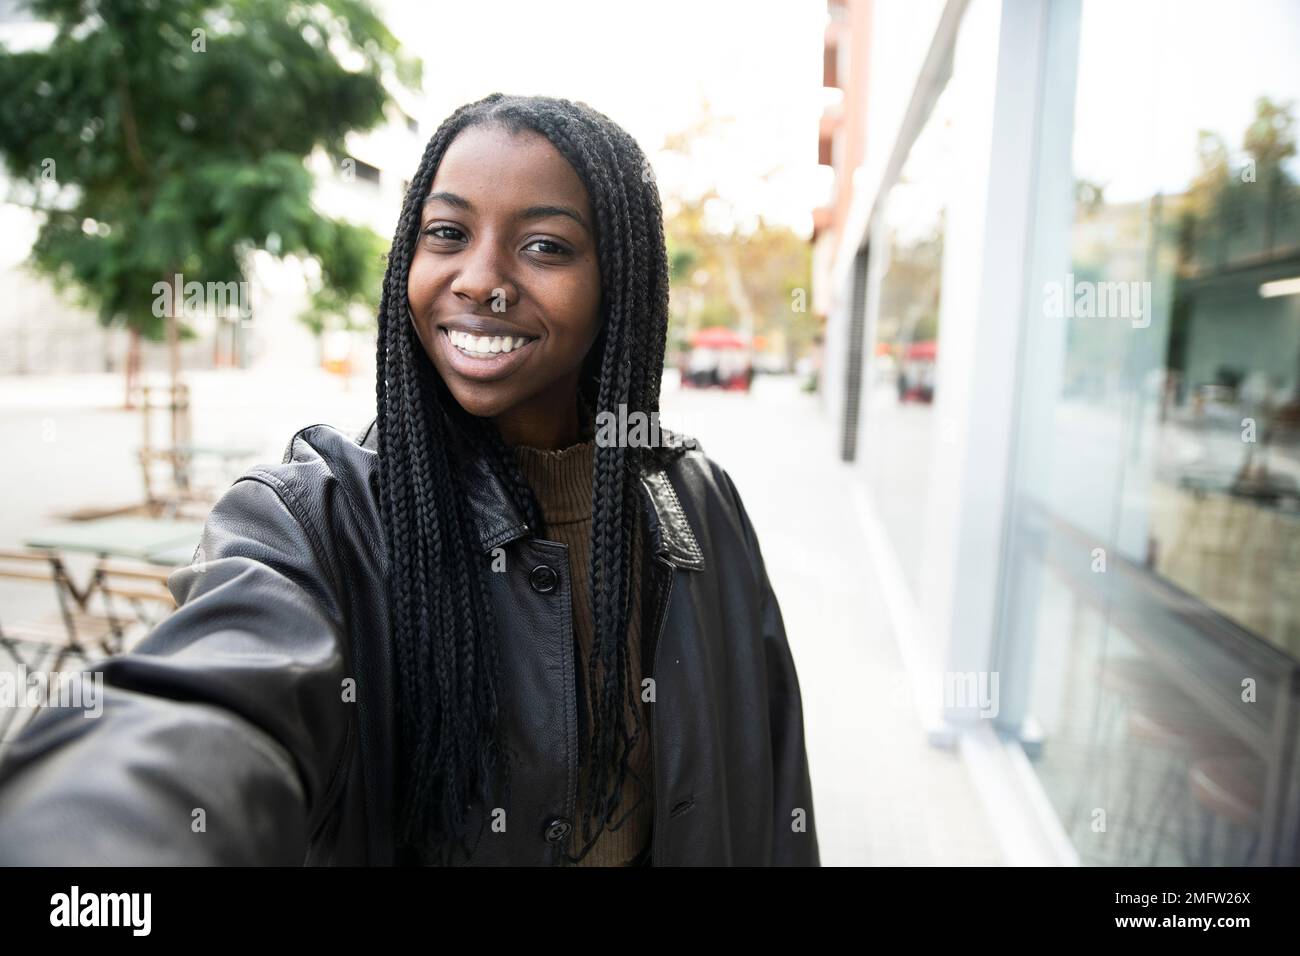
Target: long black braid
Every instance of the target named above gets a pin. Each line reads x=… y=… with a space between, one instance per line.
x=451 y=744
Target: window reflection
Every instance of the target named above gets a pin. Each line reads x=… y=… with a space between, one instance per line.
x=899 y=406
x=1163 y=554
x=1227 y=492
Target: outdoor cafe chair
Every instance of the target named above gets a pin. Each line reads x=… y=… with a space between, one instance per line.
x=66 y=632
x=134 y=597
x=69 y=630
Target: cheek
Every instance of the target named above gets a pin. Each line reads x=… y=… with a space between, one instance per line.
x=420 y=289
x=420 y=283
x=574 y=305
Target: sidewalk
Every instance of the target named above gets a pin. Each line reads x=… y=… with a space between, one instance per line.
x=883 y=795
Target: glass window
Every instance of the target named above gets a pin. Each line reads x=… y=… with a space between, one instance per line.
x=899 y=407
x=1154 y=572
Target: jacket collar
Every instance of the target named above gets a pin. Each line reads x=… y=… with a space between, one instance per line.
x=499 y=521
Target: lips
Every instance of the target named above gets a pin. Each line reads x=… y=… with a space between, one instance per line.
x=479 y=345
x=488 y=326
x=484 y=358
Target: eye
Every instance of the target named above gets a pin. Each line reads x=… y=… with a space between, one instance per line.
x=434 y=231
x=555 y=247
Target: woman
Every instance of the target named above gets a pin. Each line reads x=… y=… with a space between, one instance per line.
x=513 y=622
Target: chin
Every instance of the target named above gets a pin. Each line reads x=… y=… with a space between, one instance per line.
x=482 y=401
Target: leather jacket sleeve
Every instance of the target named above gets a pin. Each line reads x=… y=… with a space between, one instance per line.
x=793 y=786
x=221 y=734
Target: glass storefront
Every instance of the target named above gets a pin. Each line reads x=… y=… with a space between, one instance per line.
x=900 y=401
x=1153 y=593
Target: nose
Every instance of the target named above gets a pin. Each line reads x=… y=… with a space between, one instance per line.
x=484 y=278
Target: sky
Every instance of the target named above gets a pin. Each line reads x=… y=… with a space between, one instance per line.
x=654 y=68
x=1141 y=104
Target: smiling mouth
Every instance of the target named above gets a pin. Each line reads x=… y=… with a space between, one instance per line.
x=485 y=358
x=485 y=346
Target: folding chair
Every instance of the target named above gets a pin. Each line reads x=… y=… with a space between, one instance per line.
x=69 y=632
x=135 y=598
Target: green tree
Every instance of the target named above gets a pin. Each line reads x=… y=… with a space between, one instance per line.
x=757 y=280
x=1222 y=200
x=165 y=137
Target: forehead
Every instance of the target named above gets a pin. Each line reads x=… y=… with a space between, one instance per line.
x=495 y=168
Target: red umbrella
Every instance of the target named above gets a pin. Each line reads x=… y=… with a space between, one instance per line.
x=718 y=337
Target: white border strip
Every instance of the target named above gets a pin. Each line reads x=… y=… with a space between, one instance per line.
x=1025 y=823
x=901 y=609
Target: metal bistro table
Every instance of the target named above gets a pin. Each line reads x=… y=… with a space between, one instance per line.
x=155 y=540
x=174 y=555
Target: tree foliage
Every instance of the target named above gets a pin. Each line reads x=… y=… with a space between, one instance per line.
x=168 y=136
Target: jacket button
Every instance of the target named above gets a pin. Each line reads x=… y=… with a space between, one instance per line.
x=557 y=830
x=543 y=579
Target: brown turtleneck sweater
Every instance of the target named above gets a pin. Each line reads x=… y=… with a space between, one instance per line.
x=562 y=482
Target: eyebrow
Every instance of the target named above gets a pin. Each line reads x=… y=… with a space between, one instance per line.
x=532 y=212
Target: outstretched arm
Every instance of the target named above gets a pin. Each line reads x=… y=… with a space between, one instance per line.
x=221 y=734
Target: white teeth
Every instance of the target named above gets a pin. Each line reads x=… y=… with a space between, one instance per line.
x=486 y=344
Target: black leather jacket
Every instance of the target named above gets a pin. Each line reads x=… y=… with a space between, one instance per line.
x=255 y=724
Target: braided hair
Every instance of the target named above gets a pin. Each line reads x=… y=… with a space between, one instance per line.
x=451 y=744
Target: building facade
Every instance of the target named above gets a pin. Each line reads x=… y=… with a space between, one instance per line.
x=1061 y=274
